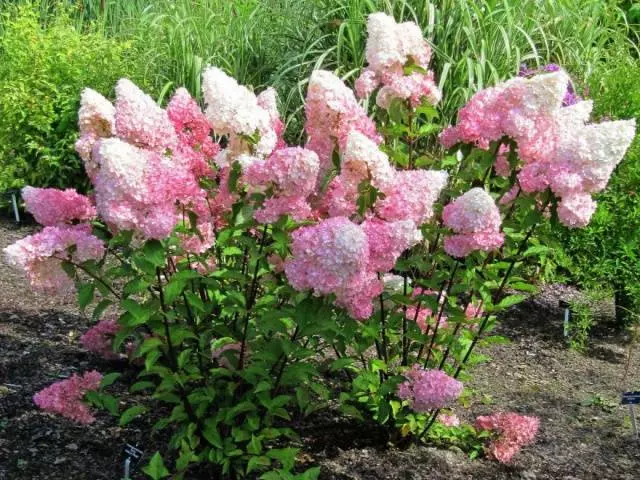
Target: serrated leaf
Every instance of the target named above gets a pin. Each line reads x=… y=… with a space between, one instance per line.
x=142 y=385
x=341 y=363
x=136 y=285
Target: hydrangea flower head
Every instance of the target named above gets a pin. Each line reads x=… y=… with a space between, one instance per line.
x=50 y=206
x=412 y=195
x=140 y=121
x=40 y=256
x=475 y=218
x=97 y=115
x=333 y=256
x=390 y=44
x=99 y=338
x=231 y=107
x=390 y=47
x=429 y=389
x=65 y=397
x=292 y=173
x=513 y=431
x=387 y=241
x=327 y=256
x=362 y=159
x=332 y=112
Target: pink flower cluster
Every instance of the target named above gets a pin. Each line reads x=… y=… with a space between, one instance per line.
x=341 y=257
x=390 y=48
x=235 y=111
x=332 y=112
x=145 y=162
x=449 y=420
x=512 y=430
x=50 y=206
x=65 y=397
x=40 y=256
x=292 y=173
x=99 y=338
x=429 y=389
x=475 y=218
x=558 y=146
x=408 y=194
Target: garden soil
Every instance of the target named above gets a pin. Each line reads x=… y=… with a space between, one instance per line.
x=584 y=433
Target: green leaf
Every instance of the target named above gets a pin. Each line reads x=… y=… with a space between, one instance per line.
x=231 y=251
x=257 y=463
x=173 y=289
x=136 y=285
x=212 y=435
x=510 y=300
x=109 y=379
x=310 y=474
x=131 y=413
x=341 y=363
x=100 y=308
x=149 y=344
x=234 y=175
x=140 y=313
x=111 y=404
x=154 y=252
x=254 y=447
x=139 y=386
x=156 y=469
x=85 y=294
x=286 y=456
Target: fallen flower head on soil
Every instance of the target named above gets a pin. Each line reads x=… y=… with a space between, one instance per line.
x=513 y=431
x=65 y=397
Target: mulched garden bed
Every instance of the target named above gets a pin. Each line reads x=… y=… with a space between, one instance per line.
x=584 y=433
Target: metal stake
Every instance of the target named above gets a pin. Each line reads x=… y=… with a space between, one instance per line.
x=127 y=467
x=14 y=202
x=634 y=423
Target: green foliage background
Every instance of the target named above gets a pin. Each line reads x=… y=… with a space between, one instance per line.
x=43 y=69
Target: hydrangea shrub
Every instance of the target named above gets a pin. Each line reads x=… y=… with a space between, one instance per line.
x=232 y=268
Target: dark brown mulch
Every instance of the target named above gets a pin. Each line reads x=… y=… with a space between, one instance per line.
x=584 y=433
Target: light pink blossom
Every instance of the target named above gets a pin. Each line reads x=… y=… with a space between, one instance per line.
x=50 y=206
x=429 y=389
x=332 y=112
x=412 y=195
x=140 y=121
x=475 y=218
x=40 y=256
x=513 y=432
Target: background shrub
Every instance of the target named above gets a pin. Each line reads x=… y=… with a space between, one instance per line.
x=606 y=252
x=45 y=62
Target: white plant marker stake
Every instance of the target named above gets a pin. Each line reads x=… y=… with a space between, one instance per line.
x=632 y=411
x=566 y=321
x=14 y=202
x=127 y=467
x=134 y=453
